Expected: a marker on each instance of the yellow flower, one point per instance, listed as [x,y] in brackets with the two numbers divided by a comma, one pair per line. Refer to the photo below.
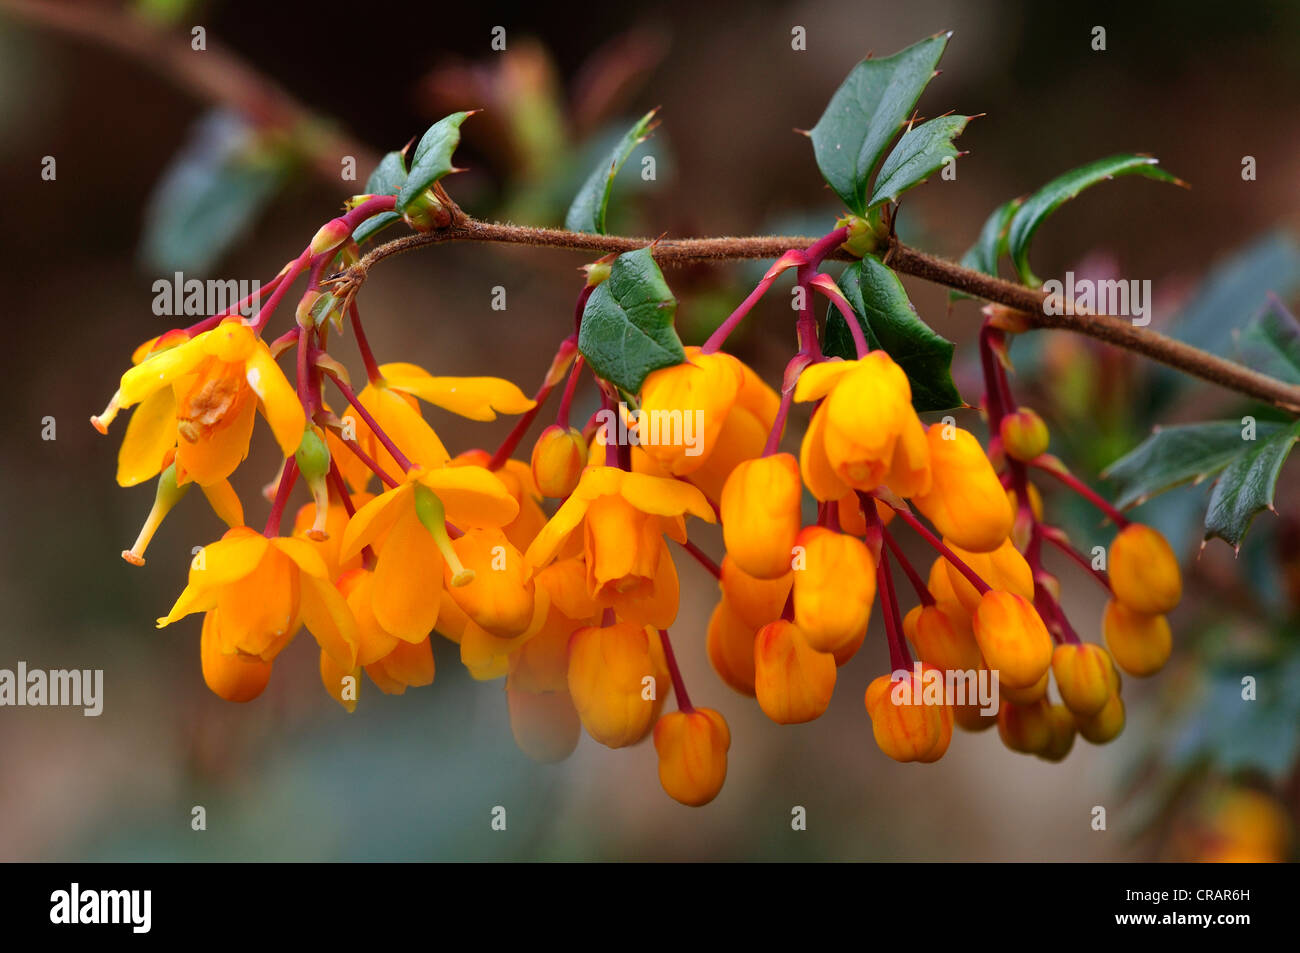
[1144,571]
[761,514]
[693,397]
[866,433]
[834,586]
[200,397]
[1012,638]
[1140,643]
[412,519]
[615,681]
[234,677]
[1085,677]
[966,501]
[793,681]
[263,590]
[624,517]
[943,637]
[904,726]
[692,748]
[756,602]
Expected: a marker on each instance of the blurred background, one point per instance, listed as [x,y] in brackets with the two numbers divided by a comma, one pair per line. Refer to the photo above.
[222,163]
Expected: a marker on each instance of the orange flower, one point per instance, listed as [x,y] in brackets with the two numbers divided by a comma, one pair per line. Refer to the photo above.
[1085,677]
[965,501]
[1012,638]
[692,748]
[761,514]
[730,644]
[1140,643]
[943,637]
[1026,728]
[559,456]
[756,602]
[615,681]
[905,726]
[834,586]
[792,680]
[1144,571]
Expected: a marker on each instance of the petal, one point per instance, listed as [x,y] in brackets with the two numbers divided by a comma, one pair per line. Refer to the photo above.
[218,564]
[307,556]
[218,455]
[225,502]
[408,580]
[279,402]
[150,433]
[160,370]
[472,496]
[478,398]
[375,518]
[327,617]
[557,529]
[404,427]
[407,665]
[818,380]
[665,497]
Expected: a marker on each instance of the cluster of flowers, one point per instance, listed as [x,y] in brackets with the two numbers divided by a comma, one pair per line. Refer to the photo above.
[571,601]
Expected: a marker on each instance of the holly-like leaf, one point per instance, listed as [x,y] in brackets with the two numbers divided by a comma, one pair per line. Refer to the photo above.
[627,325]
[1060,190]
[991,245]
[1173,456]
[890,323]
[432,158]
[919,154]
[866,113]
[587,213]
[387,179]
[1246,486]
[1271,342]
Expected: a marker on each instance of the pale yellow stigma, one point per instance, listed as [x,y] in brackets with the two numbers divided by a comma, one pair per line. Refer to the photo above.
[101,421]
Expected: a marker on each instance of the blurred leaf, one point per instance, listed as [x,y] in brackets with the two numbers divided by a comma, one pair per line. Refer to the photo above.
[1056,193]
[1271,343]
[991,245]
[1172,456]
[919,154]
[432,158]
[387,179]
[890,323]
[627,326]
[1246,486]
[587,213]
[209,195]
[865,114]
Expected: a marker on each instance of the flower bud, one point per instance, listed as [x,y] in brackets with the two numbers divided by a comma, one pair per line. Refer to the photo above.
[1025,696]
[545,724]
[1025,728]
[1144,571]
[793,682]
[966,502]
[613,681]
[730,646]
[1063,731]
[1140,643]
[761,514]
[1012,638]
[313,459]
[331,235]
[834,586]
[1024,434]
[236,678]
[905,726]
[558,459]
[692,748]
[1105,725]
[756,602]
[501,595]
[1004,568]
[700,392]
[1084,676]
[972,718]
[943,637]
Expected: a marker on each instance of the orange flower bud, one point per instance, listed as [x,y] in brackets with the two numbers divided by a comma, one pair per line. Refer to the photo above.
[1085,675]
[853,521]
[558,458]
[1004,568]
[1012,638]
[697,396]
[1024,434]
[501,595]
[613,681]
[966,501]
[1025,728]
[1063,730]
[905,726]
[1144,571]
[972,718]
[756,602]
[834,585]
[731,648]
[692,748]
[234,677]
[1140,643]
[943,637]
[793,681]
[761,514]
[1025,696]
[545,724]
[1105,725]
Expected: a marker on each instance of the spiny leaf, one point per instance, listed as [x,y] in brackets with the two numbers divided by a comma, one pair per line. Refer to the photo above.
[1246,486]
[587,213]
[919,154]
[991,245]
[890,323]
[865,114]
[387,179]
[432,158]
[627,324]
[1272,342]
[1060,190]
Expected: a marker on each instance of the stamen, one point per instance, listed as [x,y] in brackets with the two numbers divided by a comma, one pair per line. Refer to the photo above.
[434,517]
[167,496]
[101,421]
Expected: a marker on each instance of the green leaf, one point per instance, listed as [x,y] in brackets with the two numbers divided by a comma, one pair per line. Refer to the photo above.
[865,114]
[587,213]
[1246,486]
[627,325]
[890,323]
[1172,456]
[991,245]
[387,179]
[919,154]
[1271,343]
[432,158]
[1060,190]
